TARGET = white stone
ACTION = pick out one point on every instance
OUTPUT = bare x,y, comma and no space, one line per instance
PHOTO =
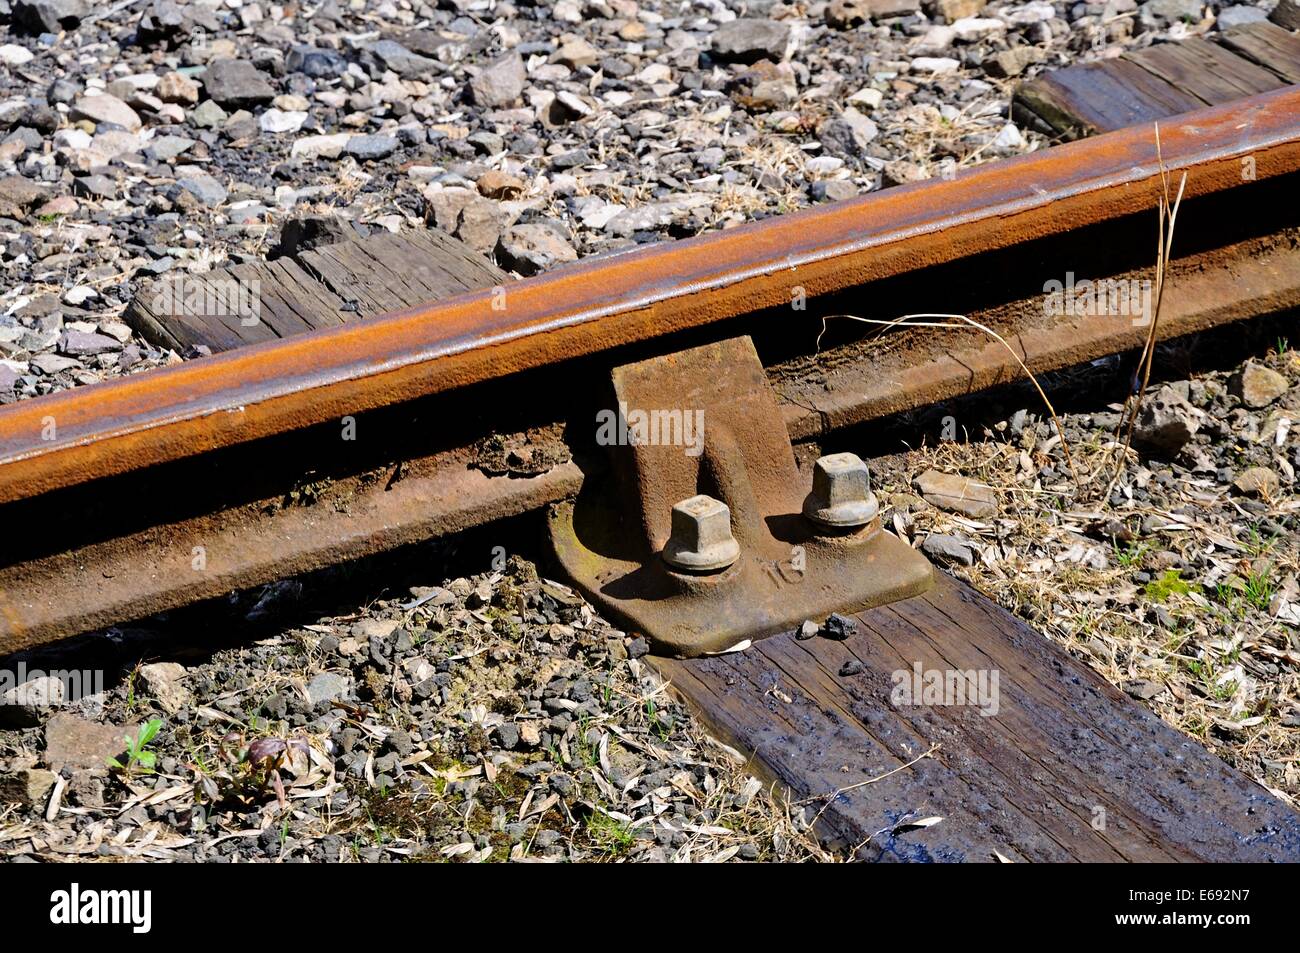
573,102
823,165
869,97
277,120
114,142
140,80
72,138
106,109
290,103
12,109
115,329
934,40
1030,13
567,11
321,147
864,129
936,65
1239,15
172,112
163,680
146,102
13,55
596,214
1009,138
655,73
27,703
971,29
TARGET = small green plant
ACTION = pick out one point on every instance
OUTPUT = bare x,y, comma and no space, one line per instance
1256,589
199,761
1081,623
1169,584
587,751
657,724
1225,691
138,756
609,834
1256,544
1259,588
1131,555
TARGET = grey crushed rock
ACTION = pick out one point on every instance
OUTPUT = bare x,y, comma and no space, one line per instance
80,343
48,16
956,493
202,186
627,125
530,249
1258,386
477,699
949,548
371,147
1167,422
500,83
237,84
750,40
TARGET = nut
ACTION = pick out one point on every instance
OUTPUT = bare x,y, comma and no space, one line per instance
841,496
701,535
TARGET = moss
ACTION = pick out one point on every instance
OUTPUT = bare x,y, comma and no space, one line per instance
1169,584
391,814
376,687
504,625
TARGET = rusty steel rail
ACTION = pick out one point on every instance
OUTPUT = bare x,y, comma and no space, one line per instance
87,555
600,304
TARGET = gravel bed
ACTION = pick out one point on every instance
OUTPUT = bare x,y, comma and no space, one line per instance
150,140
493,718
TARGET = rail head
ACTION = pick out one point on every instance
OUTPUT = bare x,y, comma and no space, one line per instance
259,391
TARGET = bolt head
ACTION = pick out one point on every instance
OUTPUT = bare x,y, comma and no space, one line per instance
701,535
841,496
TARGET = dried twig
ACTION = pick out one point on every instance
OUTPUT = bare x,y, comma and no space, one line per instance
830,798
908,320
1164,245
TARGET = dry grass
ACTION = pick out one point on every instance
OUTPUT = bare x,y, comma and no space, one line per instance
1168,218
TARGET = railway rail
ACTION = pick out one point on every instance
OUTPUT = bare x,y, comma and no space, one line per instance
215,445
124,499
597,306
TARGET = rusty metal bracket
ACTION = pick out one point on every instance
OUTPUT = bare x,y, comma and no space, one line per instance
708,534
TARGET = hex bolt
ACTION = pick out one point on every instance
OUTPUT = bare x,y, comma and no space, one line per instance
841,496
701,537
